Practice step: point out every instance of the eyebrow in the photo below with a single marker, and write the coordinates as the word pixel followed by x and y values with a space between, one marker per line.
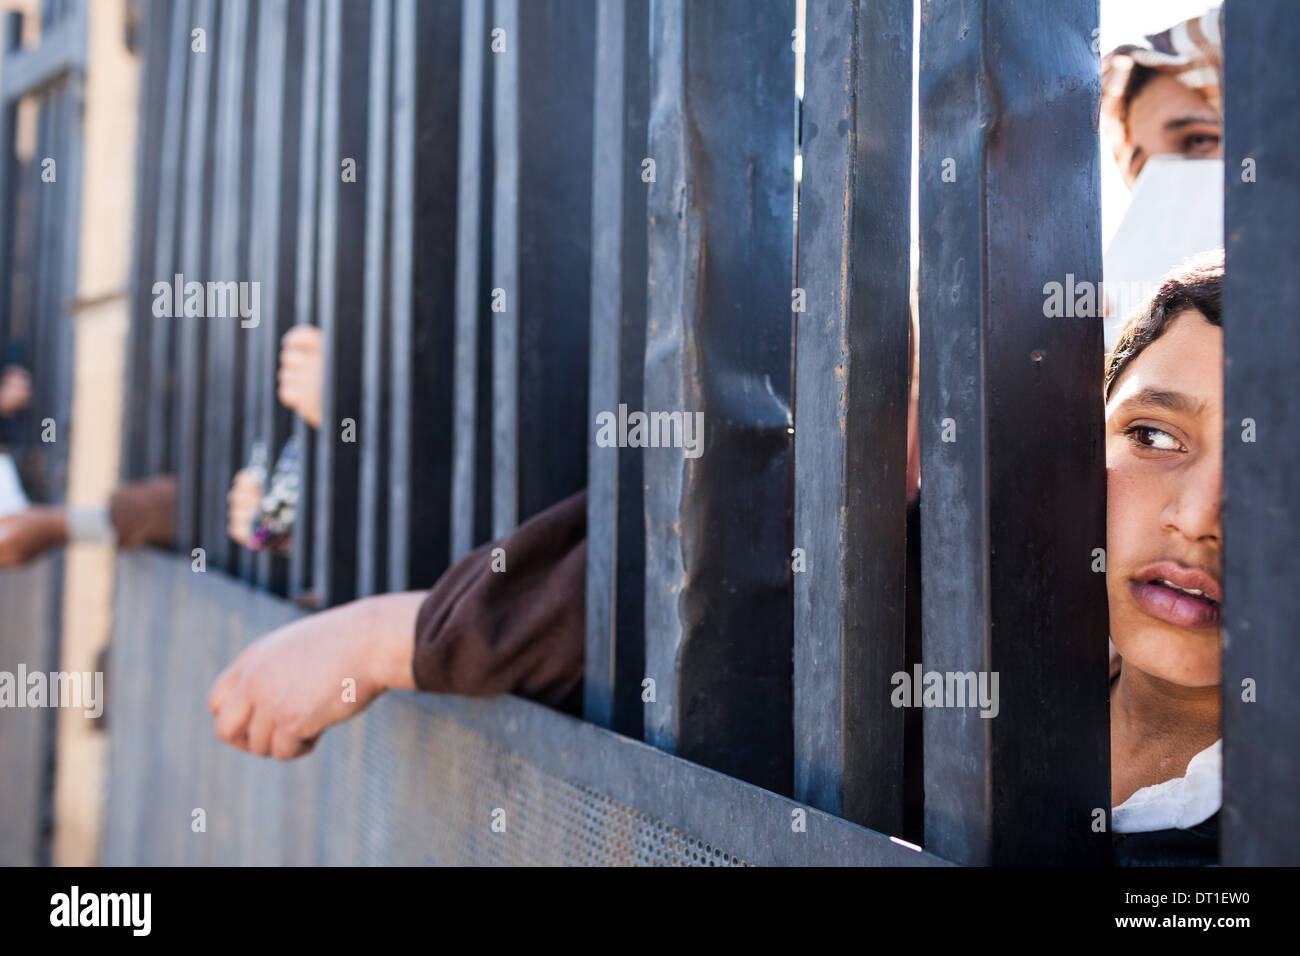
pixel 1163 398
pixel 1191 119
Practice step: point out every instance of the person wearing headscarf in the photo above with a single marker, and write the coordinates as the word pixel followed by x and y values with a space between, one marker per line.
pixel 1165 96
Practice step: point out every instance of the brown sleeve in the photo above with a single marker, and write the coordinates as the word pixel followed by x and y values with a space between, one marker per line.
pixel 519 630
pixel 144 512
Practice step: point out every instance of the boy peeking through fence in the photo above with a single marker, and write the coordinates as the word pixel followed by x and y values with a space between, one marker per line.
pixel 1164 569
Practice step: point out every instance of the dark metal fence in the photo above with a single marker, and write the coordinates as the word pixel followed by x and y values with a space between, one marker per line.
pixel 40 208
pixel 562 206
pixel 1261 661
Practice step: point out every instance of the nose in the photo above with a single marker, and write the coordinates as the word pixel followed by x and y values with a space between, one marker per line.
pixel 1195 508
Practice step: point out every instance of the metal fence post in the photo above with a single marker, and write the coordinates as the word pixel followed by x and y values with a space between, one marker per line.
pixel 1261 299
pixel 615 658
pixel 426 140
pixel 851 409
pixel 371 542
pixel 718 612
pixel 302 558
pixel 340 255
pixel 541 254
pixel 1013 481
pixel 473 224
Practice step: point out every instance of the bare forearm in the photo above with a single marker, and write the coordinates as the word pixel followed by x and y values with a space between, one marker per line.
pixel 54 526
pixel 386 622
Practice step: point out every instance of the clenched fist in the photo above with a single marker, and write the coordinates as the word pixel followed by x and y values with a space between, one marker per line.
pixel 283 690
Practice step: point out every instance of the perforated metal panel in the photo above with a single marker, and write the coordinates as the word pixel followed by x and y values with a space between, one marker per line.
pixel 28 637
pixel 461 785
pixel 396 786
pixel 417 779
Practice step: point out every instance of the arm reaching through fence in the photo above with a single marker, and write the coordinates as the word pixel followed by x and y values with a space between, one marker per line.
pixel 139 513
pixel 285 689
pixel 507 618
pixel 27 535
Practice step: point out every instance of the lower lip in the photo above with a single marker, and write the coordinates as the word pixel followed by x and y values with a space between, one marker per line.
pixel 1174 607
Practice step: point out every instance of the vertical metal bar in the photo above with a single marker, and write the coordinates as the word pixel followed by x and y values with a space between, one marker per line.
pixel 265 240
pixel 615 658
pixel 325 284
pixel 1009 589
pixel 151 105
pixel 326 531
pixel 191 366
pixel 339 286
pixel 222 446
pixel 426 95
pixel 12 41
pixel 505 268
pixel 851 409
pixel 1261 297
pixel 38 304
pixel 541 255
pixel 469 191
pixel 248 391
pixel 48 318
pixel 718 612
pixel 44 302
pixel 401 271
pixel 17 205
pixel 301 558
pixel 277 420
pixel 371 543
pixel 167 120
pixel 73 97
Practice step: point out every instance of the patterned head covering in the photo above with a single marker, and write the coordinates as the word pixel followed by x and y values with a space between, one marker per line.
pixel 1190 52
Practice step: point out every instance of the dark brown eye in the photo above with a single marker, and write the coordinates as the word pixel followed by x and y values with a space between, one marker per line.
pixel 1153 438
pixel 1201 143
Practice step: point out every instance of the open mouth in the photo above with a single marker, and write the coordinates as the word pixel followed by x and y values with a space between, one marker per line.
pixel 1178 604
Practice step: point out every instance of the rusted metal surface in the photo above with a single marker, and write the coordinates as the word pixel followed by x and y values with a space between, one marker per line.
pixel 718 343
pixel 851 409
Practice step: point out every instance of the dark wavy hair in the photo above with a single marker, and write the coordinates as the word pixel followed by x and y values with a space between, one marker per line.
pixel 1196 284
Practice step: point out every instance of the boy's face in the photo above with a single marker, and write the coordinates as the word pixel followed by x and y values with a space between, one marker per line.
pixel 1164 467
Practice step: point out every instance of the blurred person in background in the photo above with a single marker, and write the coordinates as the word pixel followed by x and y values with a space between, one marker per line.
pixel 1165 98
pixel 143 512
